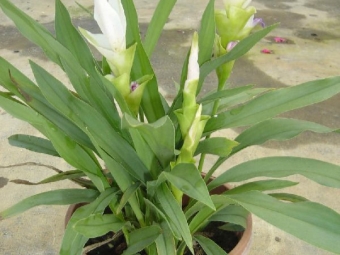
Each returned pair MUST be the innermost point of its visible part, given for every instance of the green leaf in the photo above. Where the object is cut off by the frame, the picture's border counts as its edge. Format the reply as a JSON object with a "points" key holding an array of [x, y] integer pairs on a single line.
{"points": [[69, 36], [67, 175], [73, 242], [219, 146], [25, 89], [174, 214], [226, 93], [155, 28], [98, 224], [94, 124], [165, 243], [240, 49], [206, 35], [274, 103], [202, 217], [188, 179], [209, 246], [142, 66], [234, 214], [311, 222], [33, 143], [163, 146], [261, 185], [126, 196], [321, 172], [54, 197], [141, 238], [78, 156], [288, 197], [276, 129]]}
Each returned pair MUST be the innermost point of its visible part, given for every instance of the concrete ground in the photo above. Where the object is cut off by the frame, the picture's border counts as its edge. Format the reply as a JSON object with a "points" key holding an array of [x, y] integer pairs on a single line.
{"points": [[313, 30]]}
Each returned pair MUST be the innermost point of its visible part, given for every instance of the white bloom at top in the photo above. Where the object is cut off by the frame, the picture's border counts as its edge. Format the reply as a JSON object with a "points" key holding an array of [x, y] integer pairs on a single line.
{"points": [[238, 3], [111, 43], [193, 67]]}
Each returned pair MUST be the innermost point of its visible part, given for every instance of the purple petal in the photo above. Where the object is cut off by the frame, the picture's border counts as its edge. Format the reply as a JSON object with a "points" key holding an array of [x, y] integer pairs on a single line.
{"points": [[133, 86], [259, 21], [231, 45]]}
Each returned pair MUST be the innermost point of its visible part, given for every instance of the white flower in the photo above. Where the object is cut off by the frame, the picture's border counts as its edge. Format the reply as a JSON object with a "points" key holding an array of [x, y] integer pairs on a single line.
{"points": [[111, 43], [193, 67], [238, 3]]}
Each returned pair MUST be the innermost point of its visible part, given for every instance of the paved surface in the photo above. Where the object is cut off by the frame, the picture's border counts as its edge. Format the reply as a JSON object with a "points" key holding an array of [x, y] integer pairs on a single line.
{"points": [[313, 30]]}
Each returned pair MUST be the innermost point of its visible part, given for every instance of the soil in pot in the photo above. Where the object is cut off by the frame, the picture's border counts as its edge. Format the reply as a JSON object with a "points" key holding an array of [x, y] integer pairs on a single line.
{"points": [[227, 240]]}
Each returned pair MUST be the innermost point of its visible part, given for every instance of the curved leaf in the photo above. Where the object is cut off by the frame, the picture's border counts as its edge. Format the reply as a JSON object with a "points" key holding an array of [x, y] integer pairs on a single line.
{"points": [[141, 238], [321, 172], [174, 214], [98, 224], [311, 222], [219, 146], [159, 136], [187, 178], [276, 102], [54, 197], [73, 242], [276, 129], [33, 143], [262, 185], [209, 246]]}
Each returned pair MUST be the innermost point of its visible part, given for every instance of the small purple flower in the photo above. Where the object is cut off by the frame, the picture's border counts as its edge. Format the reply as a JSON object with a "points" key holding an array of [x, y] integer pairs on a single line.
{"points": [[231, 45], [258, 21], [133, 86]]}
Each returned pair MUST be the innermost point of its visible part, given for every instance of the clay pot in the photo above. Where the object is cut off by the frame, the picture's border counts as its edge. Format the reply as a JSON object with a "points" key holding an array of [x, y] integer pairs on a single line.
{"points": [[245, 238]]}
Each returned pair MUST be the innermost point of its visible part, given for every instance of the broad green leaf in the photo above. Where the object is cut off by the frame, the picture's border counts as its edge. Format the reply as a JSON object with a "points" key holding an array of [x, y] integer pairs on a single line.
{"points": [[33, 143], [141, 238], [311, 222], [276, 129], [94, 124], [126, 196], [174, 214], [219, 146], [188, 179], [142, 66], [234, 214], [209, 246], [288, 197], [73, 242], [159, 136], [165, 243], [155, 28], [54, 197], [98, 224], [240, 49], [206, 35], [321, 172], [261, 185], [274, 103]]}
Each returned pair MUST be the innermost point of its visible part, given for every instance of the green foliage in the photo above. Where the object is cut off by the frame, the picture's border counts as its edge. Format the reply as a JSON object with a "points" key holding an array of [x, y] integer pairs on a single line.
{"points": [[133, 160]]}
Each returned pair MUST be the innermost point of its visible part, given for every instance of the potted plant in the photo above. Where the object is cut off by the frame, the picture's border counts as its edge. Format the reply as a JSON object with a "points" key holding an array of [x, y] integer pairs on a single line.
{"points": [[140, 159]]}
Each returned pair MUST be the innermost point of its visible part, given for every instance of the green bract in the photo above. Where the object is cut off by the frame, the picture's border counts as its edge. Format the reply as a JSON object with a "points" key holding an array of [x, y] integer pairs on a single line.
{"points": [[138, 155]]}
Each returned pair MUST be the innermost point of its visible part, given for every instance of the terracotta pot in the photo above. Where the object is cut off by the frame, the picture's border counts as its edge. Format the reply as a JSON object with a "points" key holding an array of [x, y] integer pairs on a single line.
{"points": [[245, 238]]}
